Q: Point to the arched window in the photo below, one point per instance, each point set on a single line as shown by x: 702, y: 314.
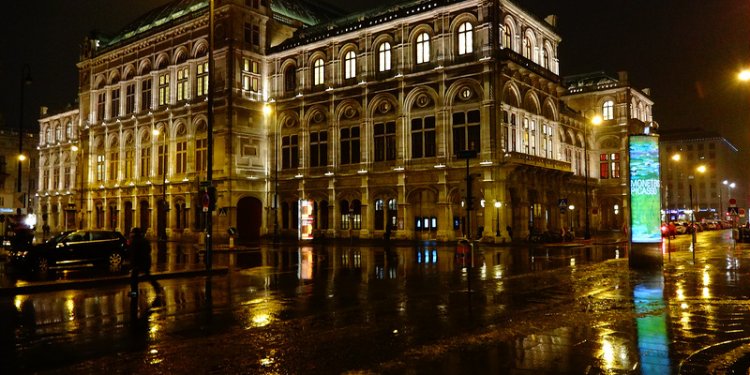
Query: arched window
x: 608, y: 110
x: 379, y: 215
x: 507, y: 37
x: 69, y: 130
x: 527, y: 47
x: 318, y: 72
x: 545, y: 59
x: 384, y: 57
x: 465, y: 39
x: 423, y: 48
x: 58, y: 133
x: 350, y: 65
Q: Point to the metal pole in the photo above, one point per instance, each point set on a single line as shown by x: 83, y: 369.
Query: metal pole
x: 692, y: 219
x: 586, y: 230
x: 276, y: 184
x: 210, y: 130
x: 25, y: 80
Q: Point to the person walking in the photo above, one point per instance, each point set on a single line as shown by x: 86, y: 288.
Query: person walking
x: 140, y: 253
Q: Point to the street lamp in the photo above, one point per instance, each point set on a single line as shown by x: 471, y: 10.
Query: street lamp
x: 25, y: 80
x: 596, y: 120
x: 744, y: 75
x: 267, y: 112
x: 497, y: 218
x: 570, y: 215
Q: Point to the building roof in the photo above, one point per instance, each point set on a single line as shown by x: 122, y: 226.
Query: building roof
x: 692, y: 135
x: 304, y: 12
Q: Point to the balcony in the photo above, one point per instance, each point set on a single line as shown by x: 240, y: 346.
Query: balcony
x: 536, y: 161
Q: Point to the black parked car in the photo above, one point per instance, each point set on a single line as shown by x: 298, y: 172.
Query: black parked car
x: 71, y: 248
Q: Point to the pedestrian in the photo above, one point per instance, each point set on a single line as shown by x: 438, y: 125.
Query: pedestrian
x: 140, y: 255
x: 510, y: 232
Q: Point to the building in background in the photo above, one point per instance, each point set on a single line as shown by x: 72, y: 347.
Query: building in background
x: 368, y: 117
x: 59, y: 197
x: 710, y: 194
x: 624, y: 110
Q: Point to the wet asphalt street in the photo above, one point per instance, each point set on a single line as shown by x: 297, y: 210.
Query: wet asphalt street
x: 406, y: 309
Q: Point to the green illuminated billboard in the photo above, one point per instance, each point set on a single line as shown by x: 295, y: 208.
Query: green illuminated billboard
x: 645, y: 193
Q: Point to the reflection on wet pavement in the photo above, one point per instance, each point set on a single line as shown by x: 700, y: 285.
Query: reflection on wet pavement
x: 333, y: 309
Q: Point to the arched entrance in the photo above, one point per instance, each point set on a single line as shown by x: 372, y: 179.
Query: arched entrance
x: 144, y: 211
x: 249, y: 219
x: 128, y: 217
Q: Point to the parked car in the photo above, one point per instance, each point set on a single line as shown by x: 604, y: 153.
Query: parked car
x: 73, y: 248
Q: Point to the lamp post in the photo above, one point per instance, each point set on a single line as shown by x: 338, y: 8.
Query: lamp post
x: 570, y: 215
x: 596, y: 120
x: 497, y: 218
x: 267, y: 112
x: 210, y: 131
x: 25, y: 80
x: 676, y: 158
x: 727, y: 185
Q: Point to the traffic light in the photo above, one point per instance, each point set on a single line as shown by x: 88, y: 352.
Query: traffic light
x: 211, y: 198
x: 208, y: 197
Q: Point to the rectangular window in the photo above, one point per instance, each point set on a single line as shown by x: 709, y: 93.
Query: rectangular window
x: 164, y: 89
x: 289, y: 152
x: 319, y: 149
x: 350, y: 145
x: 130, y: 98
x: 146, y: 94
x: 66, y: 178
x: 129, y: 162
x: 161, y: 167
x: 250, y: 75
x: 45, y: 179
x: 181, y: 157
x: 385, y: 141
x: 466, y: 127
x: 145, y: 165
x: 423, y: 137
x: 100, y: 102
x: 201, y: 155
x: 114, y: 110
x: 201, y: 79
x: 252, y: 34
x: 114, y: 159
x: 56, y: 179
x: 100, y: 167
x: 182, y: 84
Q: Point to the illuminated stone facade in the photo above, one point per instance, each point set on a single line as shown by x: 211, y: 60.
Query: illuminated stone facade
x: 367, y: 116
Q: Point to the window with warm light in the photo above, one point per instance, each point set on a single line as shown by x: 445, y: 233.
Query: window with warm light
x: 350, y: 65
x: 250, y: 75
x: 201, y: 148
x: 465, y: 38
x: 527, y: 47
x: 100, y: 166
x: 201, y: 79
x: 608, y: 110
x: 423, y: 48
x: 318, y: 72
x: 507, y: 37
x: 164, y: 89
x: 113, y: 161
x: 100, y: 103
x: 145, y: 157
x: 182, y: 84
x: 384, y: 57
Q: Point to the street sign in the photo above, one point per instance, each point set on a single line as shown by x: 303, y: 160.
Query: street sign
x: 734, y: 211
x: 742, y: 212
x: 732, y: 202
x: 562, y: 202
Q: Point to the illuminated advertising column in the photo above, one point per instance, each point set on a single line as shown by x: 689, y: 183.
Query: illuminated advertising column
x: 645, y: 195
x: 645, y: 199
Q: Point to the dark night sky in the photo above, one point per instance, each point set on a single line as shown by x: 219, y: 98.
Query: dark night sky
x: 687, y: 51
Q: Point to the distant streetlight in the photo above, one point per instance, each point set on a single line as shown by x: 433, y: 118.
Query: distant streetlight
x: 744, y: 75
x: 728, y: 185
x: 596, y: 120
